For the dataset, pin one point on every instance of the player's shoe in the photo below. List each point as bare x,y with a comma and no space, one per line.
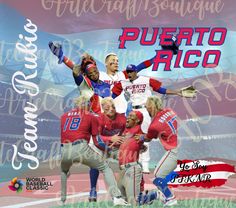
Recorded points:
171,201
147,198
63,200
93,195
118,201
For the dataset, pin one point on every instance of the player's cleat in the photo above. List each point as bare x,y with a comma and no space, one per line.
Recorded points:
171,201
63,200
147,198
118,201
93,195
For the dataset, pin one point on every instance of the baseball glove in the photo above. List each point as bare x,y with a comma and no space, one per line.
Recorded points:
188,92
56,49
173,47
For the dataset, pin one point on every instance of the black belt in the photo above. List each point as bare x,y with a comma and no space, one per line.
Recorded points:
138,106
75,142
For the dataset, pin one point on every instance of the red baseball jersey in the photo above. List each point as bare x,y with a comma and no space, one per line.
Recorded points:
111,127
164,127
78,124
129,150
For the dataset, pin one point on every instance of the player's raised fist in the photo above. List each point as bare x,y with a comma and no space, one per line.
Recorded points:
56,49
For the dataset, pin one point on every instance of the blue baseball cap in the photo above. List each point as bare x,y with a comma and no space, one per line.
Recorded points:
131,67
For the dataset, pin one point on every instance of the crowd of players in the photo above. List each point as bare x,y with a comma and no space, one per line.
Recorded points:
101,114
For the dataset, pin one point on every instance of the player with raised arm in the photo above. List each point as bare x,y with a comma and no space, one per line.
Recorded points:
93,83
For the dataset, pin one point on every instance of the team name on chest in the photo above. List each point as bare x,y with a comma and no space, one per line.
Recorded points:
136,88
111,82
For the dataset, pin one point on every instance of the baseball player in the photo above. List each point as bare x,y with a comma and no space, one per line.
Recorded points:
140,88
164,127
93,83
112,125
77,127
130,175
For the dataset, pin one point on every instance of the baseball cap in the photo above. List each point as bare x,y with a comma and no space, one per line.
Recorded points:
89,66
131,68
139,116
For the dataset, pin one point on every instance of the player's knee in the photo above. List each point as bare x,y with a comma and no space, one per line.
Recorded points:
102,166
159,173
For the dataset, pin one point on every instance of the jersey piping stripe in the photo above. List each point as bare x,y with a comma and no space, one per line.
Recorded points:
134,185
161,164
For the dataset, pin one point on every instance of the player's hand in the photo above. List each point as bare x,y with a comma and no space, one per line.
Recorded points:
117,139
57,51
137,137
77,70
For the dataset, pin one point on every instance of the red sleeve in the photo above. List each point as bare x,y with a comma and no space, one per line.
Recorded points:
154,84
123,122
68,62
152,133
126,74
117,89
106,139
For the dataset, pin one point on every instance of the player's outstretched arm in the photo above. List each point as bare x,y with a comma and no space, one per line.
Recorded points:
188,92
56,49
149,62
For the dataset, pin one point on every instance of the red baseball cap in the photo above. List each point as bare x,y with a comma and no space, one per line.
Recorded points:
139,116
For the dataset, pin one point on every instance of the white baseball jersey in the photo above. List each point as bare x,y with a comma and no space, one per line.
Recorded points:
85,90
120,101
139,89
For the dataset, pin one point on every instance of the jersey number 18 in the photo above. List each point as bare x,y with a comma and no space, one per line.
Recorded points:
72,123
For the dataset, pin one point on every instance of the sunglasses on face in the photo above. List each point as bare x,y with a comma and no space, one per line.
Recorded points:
129,71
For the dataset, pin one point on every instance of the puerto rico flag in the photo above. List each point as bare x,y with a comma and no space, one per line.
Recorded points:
200,173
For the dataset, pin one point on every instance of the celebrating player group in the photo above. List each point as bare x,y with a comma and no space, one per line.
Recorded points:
102,125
